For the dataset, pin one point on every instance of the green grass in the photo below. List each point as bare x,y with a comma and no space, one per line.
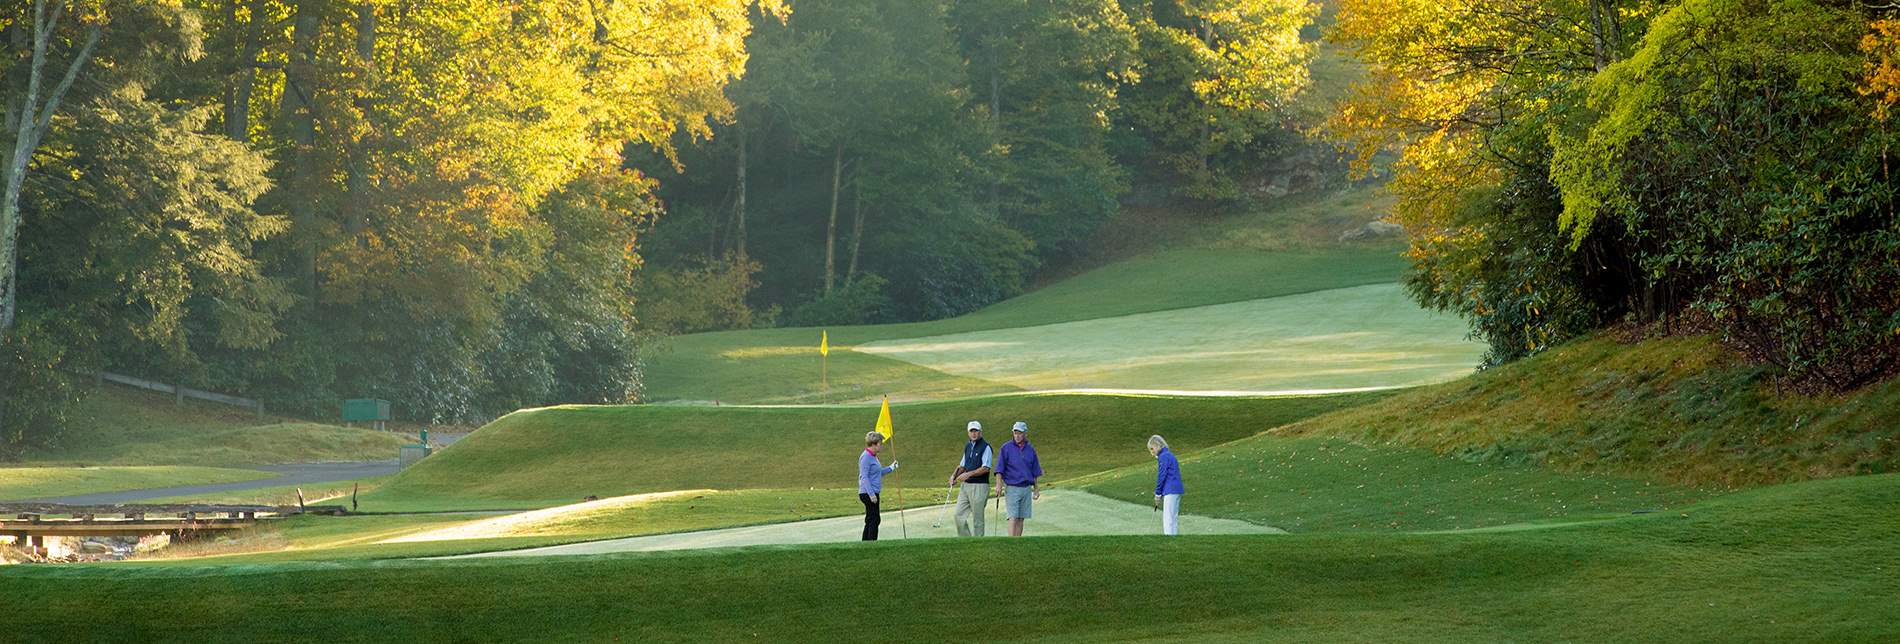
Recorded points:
1368,336
1680,408
556,456
782,365
327,493
1805,562
119,426
1325,484
362,537
17,483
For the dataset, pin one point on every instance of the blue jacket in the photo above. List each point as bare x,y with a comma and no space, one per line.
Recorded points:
1167,473
870,474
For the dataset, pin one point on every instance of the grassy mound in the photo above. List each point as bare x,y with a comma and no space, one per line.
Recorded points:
1680,409
1330,484
559,455
1808,562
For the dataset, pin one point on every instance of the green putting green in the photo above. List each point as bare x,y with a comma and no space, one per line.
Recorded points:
1057,513
1362,337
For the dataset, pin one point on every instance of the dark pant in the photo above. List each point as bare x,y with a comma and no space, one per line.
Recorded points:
870,517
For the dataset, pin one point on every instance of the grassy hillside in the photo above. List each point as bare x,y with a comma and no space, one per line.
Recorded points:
1330,484
1805,562
120,426
559,455
20,483
1679,408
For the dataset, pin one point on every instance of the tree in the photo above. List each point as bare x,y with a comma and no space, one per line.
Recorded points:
1048,75
1217,77
136,231
29,115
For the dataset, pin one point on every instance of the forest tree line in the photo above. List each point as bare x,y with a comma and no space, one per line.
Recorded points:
454,204
896,160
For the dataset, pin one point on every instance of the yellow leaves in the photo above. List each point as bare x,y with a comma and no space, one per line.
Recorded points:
1881,76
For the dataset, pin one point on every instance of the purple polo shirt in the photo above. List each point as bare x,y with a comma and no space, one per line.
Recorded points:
1019,465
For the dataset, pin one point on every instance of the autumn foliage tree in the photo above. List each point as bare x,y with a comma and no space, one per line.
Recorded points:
1564,165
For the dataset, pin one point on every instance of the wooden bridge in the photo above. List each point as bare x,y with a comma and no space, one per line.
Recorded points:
33,523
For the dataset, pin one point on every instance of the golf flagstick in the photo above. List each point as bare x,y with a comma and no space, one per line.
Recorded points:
901,523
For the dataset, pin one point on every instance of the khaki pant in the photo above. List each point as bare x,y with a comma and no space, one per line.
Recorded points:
970,498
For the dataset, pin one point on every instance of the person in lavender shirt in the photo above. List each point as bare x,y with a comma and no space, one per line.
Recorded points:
871,481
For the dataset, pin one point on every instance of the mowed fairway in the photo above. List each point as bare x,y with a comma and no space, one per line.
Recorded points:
781,366
1362,337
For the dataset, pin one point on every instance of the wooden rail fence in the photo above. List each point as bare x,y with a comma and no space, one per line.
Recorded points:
180,392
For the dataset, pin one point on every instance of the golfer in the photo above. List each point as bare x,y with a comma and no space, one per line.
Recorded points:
972,479
1019,468
1167,485
871,481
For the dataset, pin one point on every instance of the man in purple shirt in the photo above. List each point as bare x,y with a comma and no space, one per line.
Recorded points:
1019,468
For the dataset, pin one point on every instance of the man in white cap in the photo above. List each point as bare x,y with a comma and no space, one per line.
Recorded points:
1018,467
972,479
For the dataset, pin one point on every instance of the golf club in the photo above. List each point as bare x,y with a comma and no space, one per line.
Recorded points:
949,496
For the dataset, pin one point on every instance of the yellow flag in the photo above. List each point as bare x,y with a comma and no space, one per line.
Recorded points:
824,343
884,419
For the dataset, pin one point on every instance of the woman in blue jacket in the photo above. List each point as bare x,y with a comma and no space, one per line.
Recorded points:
1167,485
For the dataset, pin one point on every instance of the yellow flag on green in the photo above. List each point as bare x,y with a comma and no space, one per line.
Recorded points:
824,343
884,419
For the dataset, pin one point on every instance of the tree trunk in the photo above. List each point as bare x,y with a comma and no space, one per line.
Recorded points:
237,100
738,207
857,230
30,123
356,184
299,115
1597,34
996,141
831,227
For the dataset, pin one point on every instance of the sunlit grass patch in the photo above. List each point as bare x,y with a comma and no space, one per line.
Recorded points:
19,483
1367,336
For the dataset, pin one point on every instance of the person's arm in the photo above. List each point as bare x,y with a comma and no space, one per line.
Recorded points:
1035,475
1002,469
1161,475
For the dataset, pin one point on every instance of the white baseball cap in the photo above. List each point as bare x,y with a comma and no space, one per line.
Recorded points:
1020,427
976,425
